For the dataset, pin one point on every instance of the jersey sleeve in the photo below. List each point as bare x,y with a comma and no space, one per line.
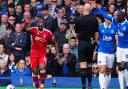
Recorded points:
32,29
105,15
51,37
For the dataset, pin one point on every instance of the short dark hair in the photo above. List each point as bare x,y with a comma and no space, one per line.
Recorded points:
11,5
73,38
9,27
121,14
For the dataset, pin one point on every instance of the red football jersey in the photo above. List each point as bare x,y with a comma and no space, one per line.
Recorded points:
40,39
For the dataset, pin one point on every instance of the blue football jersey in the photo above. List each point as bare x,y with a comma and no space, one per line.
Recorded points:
123,34
107,38
122,29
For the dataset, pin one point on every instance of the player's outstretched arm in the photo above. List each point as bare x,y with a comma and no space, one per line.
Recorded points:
105,15
30,25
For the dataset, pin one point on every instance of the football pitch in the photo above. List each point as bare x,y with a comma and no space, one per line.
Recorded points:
50,88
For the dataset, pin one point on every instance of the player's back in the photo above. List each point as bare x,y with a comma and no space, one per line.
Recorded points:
86,26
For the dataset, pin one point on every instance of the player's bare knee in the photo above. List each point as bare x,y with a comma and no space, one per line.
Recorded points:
42,67
119,66
123,65
35,71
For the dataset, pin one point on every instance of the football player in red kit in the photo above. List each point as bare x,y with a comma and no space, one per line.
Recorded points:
40,40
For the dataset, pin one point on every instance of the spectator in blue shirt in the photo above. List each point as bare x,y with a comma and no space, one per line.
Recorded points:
21,69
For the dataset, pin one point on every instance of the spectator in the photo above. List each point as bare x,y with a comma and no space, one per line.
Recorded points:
53,9
11,9
3,25
33,5
3,8
95,70
53,50
4,72
18,42
11,21
67,6
120,4
60,34
55,63
111,9
49,22
50,63
79,12
19,13
26,8
5,39
74,50
11,62
3,56
60,16
67,62
71,31
21,69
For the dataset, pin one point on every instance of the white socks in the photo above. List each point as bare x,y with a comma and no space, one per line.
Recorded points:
108,78
102,81
126,76
121,79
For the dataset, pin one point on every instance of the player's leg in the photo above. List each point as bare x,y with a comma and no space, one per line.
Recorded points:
82,52
83,73
110,62
42,67
108,76
89,69
120,71
102,70
34,67
89,77
124,65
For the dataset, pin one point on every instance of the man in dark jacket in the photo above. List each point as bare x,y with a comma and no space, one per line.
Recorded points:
18,42
67,62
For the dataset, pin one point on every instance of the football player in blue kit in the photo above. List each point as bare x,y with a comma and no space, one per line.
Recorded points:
106,52
121,23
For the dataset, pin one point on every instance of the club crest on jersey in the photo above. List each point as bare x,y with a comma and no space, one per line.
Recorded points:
124,28
40,39
102,30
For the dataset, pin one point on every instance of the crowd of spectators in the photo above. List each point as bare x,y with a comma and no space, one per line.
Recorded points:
59,17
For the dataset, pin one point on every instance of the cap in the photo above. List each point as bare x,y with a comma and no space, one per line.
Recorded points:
39,7
45,7
38,15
